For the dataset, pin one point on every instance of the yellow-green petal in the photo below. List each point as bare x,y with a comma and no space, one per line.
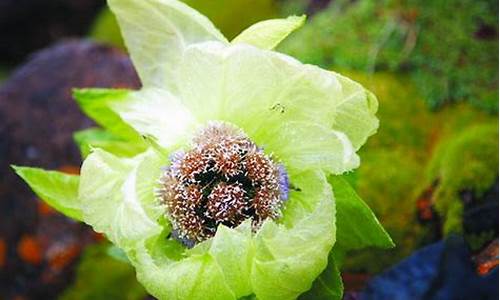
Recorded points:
156,113
267,94
287,260
305,146
156,32
197,277
117,196
269,33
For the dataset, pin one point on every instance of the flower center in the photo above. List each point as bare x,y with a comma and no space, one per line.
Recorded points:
224,179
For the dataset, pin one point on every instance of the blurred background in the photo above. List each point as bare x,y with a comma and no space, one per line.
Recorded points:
430,173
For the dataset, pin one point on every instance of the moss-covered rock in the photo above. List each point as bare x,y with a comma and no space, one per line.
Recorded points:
467,161
393,173
449,48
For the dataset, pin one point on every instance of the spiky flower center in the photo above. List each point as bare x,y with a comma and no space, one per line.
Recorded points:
224,179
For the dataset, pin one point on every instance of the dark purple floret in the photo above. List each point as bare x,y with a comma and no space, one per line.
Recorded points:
284,182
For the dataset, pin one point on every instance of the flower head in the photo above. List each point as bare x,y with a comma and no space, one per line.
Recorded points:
214,177
224,179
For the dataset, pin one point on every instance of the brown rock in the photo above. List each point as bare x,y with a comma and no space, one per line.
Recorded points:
37,120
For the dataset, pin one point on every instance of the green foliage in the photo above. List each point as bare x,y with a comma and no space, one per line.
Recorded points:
451,54
357,226
95,104
88,139
59,190
102,277
328,286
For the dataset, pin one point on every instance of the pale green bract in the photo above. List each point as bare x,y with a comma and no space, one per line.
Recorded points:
311,120
268,34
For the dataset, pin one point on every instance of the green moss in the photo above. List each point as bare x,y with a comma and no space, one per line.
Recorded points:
450,54
467,161
349,35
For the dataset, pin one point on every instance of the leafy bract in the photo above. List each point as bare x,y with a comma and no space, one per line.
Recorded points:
264,92
117,196
357,225
157,113
233,250
280,261
355,112
269,33
194,277
59,190
95,103
328,285
88,139
304,145
287,260
156,33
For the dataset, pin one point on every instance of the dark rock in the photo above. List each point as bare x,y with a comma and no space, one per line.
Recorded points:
37,119
440,271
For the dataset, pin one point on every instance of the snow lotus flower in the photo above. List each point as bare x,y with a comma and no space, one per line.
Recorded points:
219,177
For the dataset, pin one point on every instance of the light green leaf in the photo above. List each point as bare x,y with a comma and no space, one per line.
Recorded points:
287,260
156,33
84,139
269,33
117,196
328,286
58,189
95,103
157,113
97,138
357,226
